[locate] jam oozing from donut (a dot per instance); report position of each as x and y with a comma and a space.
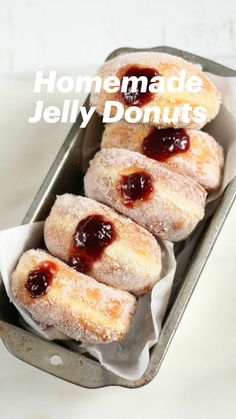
135, 187
40, 278
138, 98
93, 234
162, 144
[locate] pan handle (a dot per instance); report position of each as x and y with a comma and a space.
57, 360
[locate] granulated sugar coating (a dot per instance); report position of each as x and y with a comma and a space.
175, 206
131, 262
75, 304
167, 66
203, 161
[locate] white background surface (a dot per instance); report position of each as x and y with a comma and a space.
198, 376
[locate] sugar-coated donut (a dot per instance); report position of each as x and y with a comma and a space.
164, 201
102, 243
191, 152
150, 64
76, 304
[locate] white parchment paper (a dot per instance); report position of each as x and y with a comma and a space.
130, 358
223, 128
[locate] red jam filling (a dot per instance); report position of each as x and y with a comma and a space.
40, 278
161, 144
92, 236
138, 98
134, 187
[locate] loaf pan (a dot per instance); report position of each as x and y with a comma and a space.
66, 175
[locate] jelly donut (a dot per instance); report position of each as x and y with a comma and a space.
76, 304
191, 152
96, 240
164, 66
164, 201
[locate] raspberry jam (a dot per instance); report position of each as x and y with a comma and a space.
134, 187
138, 98
40, 278
92, 236
161, 144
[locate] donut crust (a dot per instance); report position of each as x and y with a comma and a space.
172, 212
131, 262
203, 162
75, 304
167, 66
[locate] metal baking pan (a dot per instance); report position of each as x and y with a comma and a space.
66, 175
